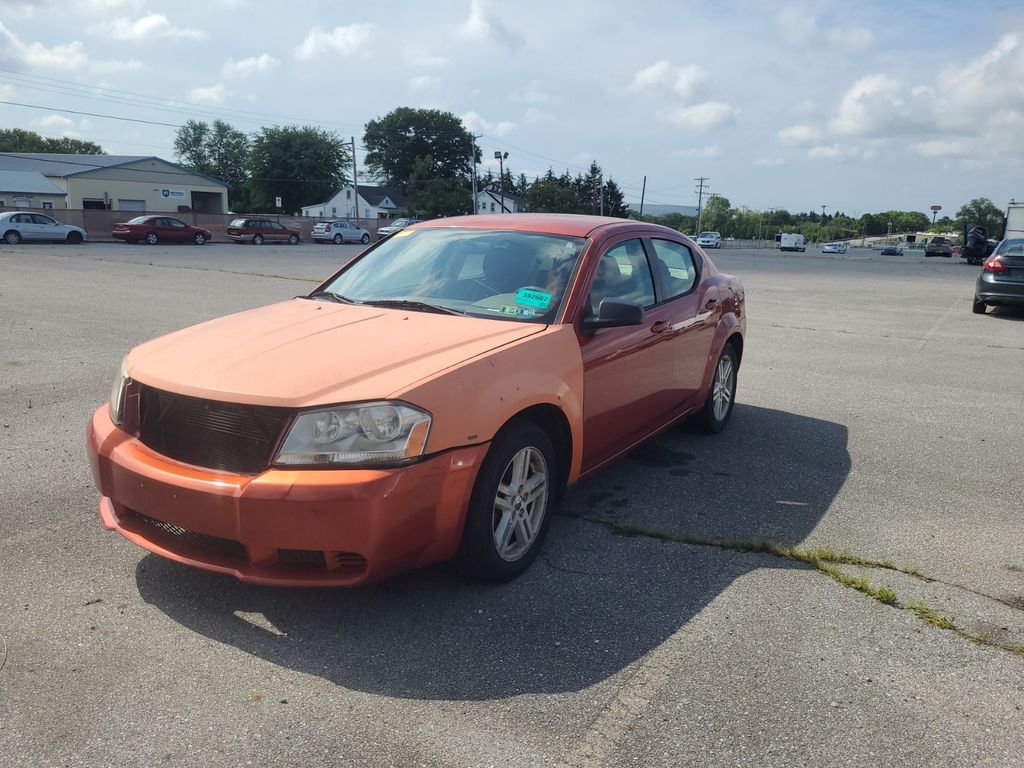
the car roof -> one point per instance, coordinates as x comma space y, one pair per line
569, 224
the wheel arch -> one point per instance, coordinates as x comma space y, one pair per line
555, 424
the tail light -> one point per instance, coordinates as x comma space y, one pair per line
993, 264
327, 228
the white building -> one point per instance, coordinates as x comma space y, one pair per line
374, 203
117, 183
491, 202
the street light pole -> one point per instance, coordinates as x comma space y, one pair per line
501, 158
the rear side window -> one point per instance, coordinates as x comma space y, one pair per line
675, 266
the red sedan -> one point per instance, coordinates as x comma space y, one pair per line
159, 229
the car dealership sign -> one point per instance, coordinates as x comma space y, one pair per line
178, 194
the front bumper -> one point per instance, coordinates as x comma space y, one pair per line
284, 527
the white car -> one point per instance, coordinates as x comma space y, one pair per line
16, 226
709, 240
339, 231
834, 248
395, 226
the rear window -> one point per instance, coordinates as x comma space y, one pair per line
1014, 247
138, 220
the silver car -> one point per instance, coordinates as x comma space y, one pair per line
25, 225
339, 231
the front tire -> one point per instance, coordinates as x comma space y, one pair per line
293, 240
199, 239
75, 238
510, 507
364, 239
722, 396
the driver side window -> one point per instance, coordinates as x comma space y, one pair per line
623, 274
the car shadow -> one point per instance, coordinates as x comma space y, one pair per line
600, 596
1004, 312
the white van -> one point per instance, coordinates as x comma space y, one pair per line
791, 242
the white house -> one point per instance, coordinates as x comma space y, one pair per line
491, 202
374, 203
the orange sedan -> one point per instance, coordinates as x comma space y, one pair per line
433, 399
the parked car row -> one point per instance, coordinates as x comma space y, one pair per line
19, 226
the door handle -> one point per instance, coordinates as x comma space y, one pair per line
711, 304
659, 327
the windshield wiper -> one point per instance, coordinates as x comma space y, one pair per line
331, 296
416, 306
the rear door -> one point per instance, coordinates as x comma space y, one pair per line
694, 308
629, 374
26, 226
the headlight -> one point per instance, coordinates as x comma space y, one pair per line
373, 433
117, 393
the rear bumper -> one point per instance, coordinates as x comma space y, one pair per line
994, 291
283, 527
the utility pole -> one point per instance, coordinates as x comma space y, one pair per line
643, 190
501, 158
601, 179
700, 198
472, 166
355, 178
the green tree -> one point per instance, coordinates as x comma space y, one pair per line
20, 140
300, 165
216, 150
553, 194
716, 213
432, 196
397, 143
981, 211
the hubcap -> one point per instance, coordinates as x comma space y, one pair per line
724, 385
520, 504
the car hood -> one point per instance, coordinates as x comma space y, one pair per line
302, 353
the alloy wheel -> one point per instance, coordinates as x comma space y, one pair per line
520, 504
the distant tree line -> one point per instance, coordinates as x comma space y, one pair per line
20, 140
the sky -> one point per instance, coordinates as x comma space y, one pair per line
860, 107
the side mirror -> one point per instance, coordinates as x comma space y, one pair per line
614, 314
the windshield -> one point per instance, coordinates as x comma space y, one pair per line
400, 223
485, 273
708, 234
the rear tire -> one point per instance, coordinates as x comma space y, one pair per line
721, 398
151, 238
338, 239
257, 240
12, 237
511, 505
979, 307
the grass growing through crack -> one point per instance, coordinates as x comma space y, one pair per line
826, 561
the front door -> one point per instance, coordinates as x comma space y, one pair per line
629, 374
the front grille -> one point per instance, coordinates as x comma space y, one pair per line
167, 533
207, 433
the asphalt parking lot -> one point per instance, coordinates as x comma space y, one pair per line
664, 623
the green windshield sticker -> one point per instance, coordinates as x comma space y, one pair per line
529, 297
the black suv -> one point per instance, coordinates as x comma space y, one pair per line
939, 246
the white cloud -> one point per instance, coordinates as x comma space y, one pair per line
799, 134
483, 25
7, 92
534, 115
701, 117
113, 66
768, 162
878, 105
840, 152
68, 56
343, 41
945, 148
711, 150
800, 26
211, 94
246, 67
476, 124
422, 83
55, 122
685, 81
155, 26
532, 94
421, 59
